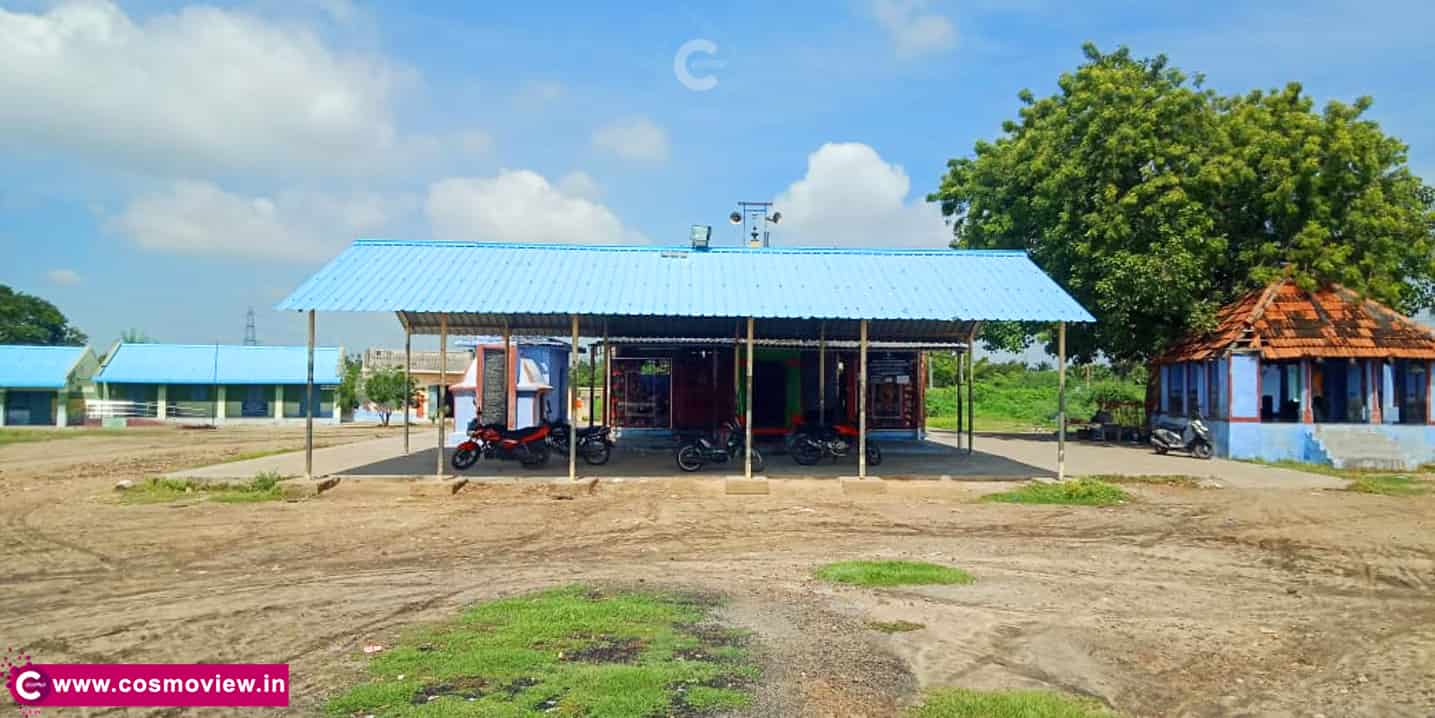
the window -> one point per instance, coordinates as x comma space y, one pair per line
1281, 391
1216, 388
1193, 388
1175, 388
1411, 382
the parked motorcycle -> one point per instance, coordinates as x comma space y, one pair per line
528, 446
595, 443
810, 444
717, 450
1182, 435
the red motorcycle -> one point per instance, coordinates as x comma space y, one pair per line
528, 446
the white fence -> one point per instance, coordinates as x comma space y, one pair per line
112, 408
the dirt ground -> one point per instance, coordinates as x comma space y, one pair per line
1203, 602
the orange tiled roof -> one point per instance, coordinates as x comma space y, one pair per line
1284, 321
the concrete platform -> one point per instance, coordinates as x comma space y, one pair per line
998, 458
854, 486
740, 486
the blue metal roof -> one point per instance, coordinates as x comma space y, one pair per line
907, 284
34, 367
217, 364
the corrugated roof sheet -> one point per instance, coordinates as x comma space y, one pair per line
1284, 321
34, 367
217, 364
508, 280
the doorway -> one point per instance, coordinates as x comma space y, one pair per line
769, 391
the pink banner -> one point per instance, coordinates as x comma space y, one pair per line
150, 684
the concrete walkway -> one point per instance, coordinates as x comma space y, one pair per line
998, 457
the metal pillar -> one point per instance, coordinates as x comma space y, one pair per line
959, 376
572, 402
607, 379
736, 363
309, 406
971, 382
747, 409
862, 405
507, 377
822, 376
1061, 402
408, 382
442, 386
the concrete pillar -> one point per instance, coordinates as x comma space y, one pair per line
408, 383
278, 402
161, 398
747, 408
61, 408
220, 398
572, 403
442, 385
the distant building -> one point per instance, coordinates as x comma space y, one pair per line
1323, 377
45, 386
423, 367
539, 390
215, 383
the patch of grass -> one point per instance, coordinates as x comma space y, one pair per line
1391, 485
568, 651
261, 453
1077, 492
159, 490
963, 703
895, 626
891, 573
21, 436
1182, 480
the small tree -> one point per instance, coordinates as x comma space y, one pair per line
385, 389
350, 386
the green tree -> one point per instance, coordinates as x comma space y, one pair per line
385, 389
28, 319
351, 387
1154, 201
136, 336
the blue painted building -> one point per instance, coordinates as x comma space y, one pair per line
1320, 376
44, 385
215, 383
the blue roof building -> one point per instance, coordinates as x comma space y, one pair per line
216, 382
44, 385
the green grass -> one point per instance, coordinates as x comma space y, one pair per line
891, 573
895, 626
1391, 485
568, 651
1182, 480
1077, 492
993, 424
159, 490
963, 703
1010, 397
21, 436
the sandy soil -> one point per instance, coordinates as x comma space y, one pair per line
1201, 602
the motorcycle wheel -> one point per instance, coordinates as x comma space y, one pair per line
1201, 450
538, 455
874, 454
595, 452
758, 463
806, 451
689, 458
463, 458
1160, 449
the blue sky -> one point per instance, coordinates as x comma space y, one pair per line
164, 166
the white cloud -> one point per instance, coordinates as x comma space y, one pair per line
580, 184
520, 206
199, 89
851, 197
200, 218
912, 30
63, 276
634, 138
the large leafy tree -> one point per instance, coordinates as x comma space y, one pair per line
1154, 201
28, 319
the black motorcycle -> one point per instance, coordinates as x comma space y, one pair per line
809, 444
717, 450
595, 443
1182, 435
